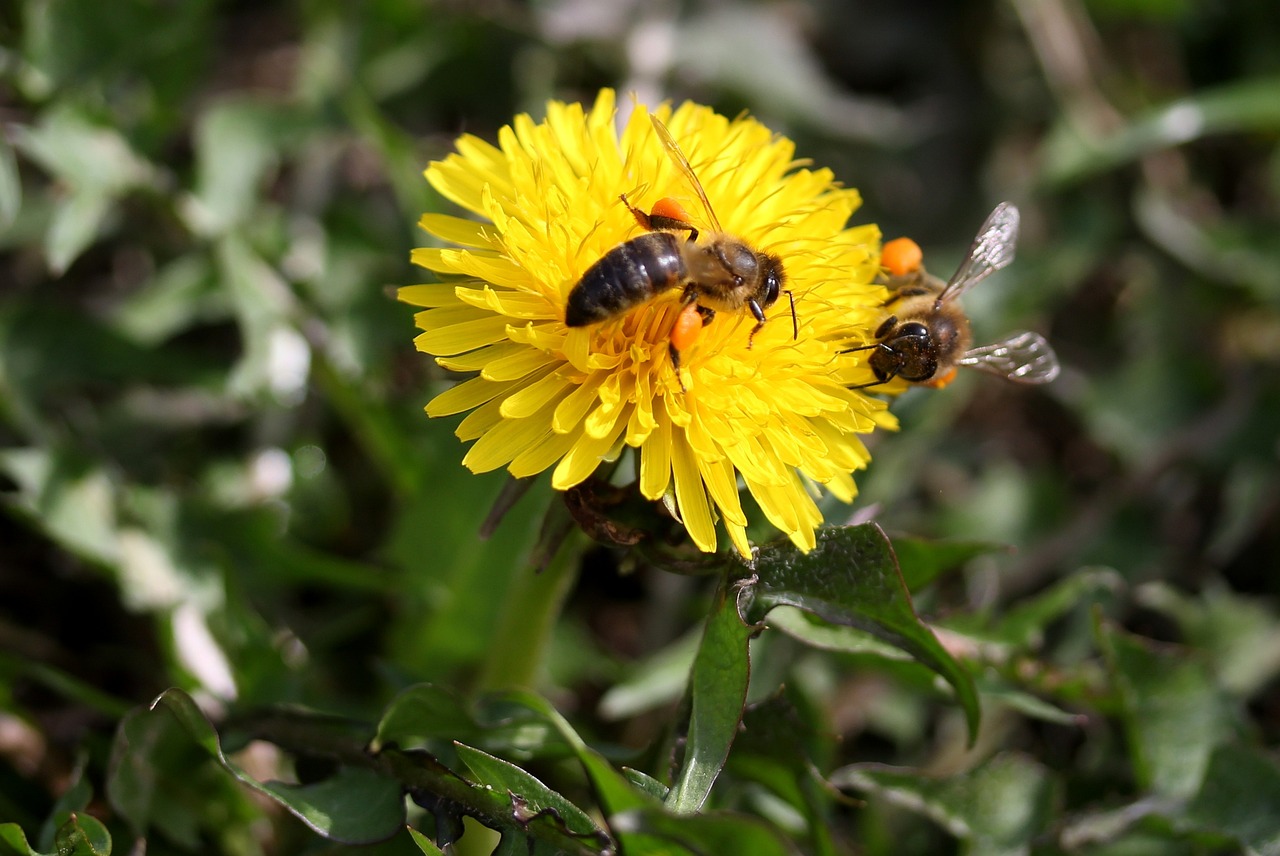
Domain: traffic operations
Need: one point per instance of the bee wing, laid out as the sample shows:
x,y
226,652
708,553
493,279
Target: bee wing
x,y
685,169
1023,358
991,250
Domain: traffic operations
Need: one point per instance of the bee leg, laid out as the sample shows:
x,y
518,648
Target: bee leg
x,y
667,216
641,217
878,380
692,318
675,365
760,319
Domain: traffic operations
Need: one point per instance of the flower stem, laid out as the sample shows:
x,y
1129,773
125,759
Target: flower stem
x,y
532,606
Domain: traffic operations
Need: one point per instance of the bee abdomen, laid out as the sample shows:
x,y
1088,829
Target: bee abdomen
x,y
625,277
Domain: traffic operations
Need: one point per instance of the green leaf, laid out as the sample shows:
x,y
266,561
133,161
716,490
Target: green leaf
x,y
355,805
1174,712
1239,797
76,222
1023,626
653,682
434,718
13,841
1242,106
617,791
421,714
851,578
998,808
82,835
238,143
529,797
425,844
79,834
781,750
10,187
717,691
816,633
1239,635
653,832
922,561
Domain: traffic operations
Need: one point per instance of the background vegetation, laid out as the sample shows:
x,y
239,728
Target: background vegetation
x,y
216,474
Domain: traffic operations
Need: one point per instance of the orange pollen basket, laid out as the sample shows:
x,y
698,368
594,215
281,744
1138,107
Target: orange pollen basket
x,y
901,256
688,324
669,209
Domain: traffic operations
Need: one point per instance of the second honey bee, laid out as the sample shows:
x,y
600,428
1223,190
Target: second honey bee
x,y
721,273
926,337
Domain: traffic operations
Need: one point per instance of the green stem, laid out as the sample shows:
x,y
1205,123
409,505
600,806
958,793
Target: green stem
x,y
532,607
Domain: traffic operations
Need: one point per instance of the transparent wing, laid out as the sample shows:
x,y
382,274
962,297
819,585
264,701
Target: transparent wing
x,y
991,250
686,170
1023,358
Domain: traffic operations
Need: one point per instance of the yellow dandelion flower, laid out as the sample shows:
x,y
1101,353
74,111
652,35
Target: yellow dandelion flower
x,y
772,413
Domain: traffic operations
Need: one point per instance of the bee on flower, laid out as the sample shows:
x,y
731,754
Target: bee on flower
x,y
686,372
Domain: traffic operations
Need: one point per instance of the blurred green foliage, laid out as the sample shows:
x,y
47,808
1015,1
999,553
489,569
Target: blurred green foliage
x,y
216,474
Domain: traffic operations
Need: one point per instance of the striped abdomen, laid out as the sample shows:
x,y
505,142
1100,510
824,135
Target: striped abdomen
x,y
625,277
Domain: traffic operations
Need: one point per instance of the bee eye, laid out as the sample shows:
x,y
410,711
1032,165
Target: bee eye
x,y
772,287
913,330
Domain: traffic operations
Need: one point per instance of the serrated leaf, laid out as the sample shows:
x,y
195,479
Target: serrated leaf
x,y
717,693
617,791
354,806
851,578
529,796
998,808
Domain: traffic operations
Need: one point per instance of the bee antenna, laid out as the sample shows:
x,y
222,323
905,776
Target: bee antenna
x,y
795,322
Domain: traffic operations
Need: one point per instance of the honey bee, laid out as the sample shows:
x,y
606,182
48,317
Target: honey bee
x,y
722,273
926,337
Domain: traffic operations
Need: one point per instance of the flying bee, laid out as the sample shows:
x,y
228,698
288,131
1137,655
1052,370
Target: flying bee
x,y
720,273
926,337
